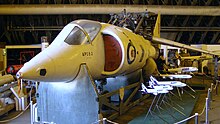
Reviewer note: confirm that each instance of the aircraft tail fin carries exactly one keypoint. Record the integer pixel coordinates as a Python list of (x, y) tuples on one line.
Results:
[(156, 32), (151, 84), (143, 88), (153, 80)]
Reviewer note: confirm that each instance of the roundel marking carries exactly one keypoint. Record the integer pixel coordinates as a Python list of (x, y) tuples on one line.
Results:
[(131, 53)]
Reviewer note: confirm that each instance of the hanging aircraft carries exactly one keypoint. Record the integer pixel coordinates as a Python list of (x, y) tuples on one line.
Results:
[(106, 49), (145, 90)]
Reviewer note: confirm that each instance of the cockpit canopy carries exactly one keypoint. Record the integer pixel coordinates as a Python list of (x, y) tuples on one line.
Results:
[(83, 33)]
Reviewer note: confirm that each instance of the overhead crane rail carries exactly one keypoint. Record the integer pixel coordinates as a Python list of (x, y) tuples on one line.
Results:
[(51, 9)]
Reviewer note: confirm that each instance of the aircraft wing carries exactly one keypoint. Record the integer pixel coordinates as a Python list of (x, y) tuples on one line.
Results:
[(157, 39), (192, 58), (176, 44)]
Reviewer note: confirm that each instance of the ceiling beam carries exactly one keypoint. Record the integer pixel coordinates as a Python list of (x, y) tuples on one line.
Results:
[(51, 9)]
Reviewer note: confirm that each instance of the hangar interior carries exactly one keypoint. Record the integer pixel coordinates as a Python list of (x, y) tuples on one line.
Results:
[(198, 24)]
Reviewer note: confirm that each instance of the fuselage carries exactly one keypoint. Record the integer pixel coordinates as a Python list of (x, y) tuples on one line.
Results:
[(160, 87), (183, 69), (172, 83), (154, 91), (179, 76), (107, 50)]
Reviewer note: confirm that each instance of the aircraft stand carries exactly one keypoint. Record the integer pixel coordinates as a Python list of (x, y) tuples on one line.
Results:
[(166, 103), (68, 103), (126, 101), (79, 101), (167, 107), (159, 108), (152, 113)]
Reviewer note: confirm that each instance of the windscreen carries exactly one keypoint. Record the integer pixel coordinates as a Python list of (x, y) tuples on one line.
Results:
[(91, 27), (76, 37)]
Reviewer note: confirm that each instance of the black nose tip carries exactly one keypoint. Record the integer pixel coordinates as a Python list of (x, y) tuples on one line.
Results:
[(43, 72)]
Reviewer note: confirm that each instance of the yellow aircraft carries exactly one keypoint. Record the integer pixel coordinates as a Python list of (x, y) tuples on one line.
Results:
[(107, 50)]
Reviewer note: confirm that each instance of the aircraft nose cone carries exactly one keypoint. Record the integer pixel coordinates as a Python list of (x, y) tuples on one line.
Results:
[(40, 68)]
